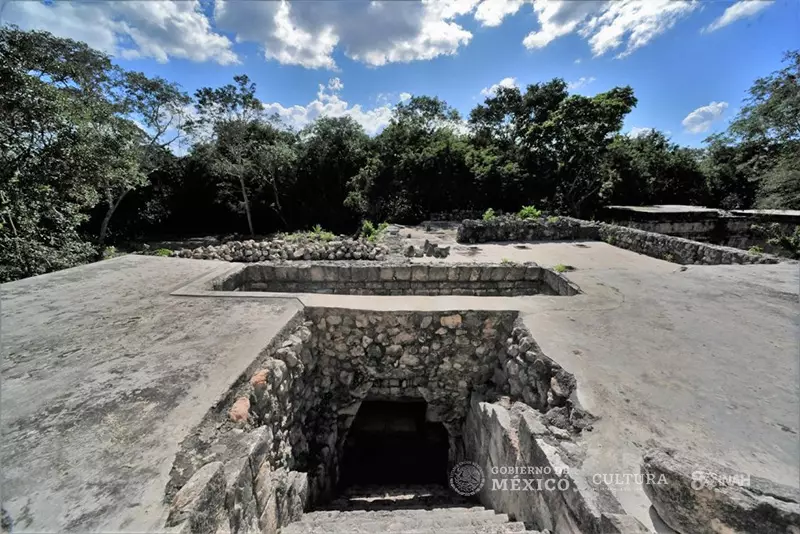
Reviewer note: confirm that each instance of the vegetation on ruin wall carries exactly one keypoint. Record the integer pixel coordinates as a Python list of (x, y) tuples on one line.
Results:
[(95, 155)]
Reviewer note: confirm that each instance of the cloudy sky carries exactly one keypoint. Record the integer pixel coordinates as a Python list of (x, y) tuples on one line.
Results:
[(689, 62)]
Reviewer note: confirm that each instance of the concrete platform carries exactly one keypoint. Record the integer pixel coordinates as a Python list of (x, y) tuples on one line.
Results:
[(107, 366), (103, 375)]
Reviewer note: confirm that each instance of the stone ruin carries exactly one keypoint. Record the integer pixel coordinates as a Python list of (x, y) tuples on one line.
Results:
[(285, 438), (344, 397)]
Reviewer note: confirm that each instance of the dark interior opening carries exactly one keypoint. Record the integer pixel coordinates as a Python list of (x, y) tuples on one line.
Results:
[(392, 443)]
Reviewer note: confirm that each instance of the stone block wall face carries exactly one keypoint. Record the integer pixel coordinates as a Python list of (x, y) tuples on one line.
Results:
[(399, 279), (506, 434), (666, 247), (677, 249), (510, 228)]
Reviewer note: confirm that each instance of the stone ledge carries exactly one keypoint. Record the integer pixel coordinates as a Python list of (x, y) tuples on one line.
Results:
[(518, 437), (399, 279), (700, 496)]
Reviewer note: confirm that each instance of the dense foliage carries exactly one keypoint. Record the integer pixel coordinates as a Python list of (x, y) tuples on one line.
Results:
[(89, 157)]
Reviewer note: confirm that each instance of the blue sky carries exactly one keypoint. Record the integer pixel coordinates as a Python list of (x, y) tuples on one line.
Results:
[(690, 62)]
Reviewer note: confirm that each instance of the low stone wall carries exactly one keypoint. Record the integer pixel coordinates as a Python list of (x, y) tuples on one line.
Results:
[(665, 247), (281, 249), (677, 249), (511, 228), (399, 279), (546, 487)]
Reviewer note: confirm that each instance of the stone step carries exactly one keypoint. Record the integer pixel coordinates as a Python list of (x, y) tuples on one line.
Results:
[(335, 527), (400, 524), (373, 515)]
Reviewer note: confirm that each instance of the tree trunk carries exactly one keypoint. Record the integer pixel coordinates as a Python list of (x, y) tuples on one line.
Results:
[(112, 207), (278, 207), (247, 207)]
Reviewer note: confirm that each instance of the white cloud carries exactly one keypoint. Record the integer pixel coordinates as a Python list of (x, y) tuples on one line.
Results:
[(505, 82), (160, 29), (373, 32), (577, 61), (606, 25), (492, 12), (700, 120), (329, 103), (580, 82), (636, 131), (739, 10), (404, 97)]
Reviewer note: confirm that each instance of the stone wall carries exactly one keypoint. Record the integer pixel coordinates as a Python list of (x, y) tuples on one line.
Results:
[(284, 249), (669, 248), (677, 249), (512, 228), (399, 279), (524, 373), (559, 497), (727, 228)]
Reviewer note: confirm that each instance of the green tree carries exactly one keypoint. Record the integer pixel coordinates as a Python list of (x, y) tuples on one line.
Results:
[(766, 132), (649, 169), (242, 145), (62, 143), (419, 164), (332, 151), (573, 140)]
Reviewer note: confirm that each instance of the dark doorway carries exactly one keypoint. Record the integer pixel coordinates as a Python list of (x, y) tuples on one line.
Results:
[(392, 443)]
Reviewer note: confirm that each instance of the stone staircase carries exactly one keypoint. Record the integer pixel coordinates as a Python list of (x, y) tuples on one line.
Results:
[(404, 510)]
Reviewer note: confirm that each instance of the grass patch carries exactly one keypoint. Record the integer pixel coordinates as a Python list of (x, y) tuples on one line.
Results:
[(164, 252), (489, 215), (506, 261), (755, 250), (553, 219), (561, 268)]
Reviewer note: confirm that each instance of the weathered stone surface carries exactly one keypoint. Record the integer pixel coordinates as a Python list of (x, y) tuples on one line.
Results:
[(496, 436), (240, 410), (696, 495), (200, 501)]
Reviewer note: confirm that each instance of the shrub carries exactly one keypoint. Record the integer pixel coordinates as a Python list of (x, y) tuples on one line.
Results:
[(561, 268), (163, 252), (552, 219), (789, 243), (755, 250), (489, 215), (529, 212), (317, 232), (506, 261), (372, 233)]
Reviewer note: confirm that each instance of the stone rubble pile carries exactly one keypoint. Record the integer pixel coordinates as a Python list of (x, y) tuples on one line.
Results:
[(428, 249), (289, 250)]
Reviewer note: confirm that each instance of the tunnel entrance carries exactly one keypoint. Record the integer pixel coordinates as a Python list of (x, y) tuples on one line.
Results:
[(393, 443)]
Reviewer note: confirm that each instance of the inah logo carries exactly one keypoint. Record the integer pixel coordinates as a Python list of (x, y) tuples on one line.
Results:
[(467, 478)]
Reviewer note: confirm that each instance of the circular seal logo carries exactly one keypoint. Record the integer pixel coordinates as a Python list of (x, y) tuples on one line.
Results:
[(467, 478)]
